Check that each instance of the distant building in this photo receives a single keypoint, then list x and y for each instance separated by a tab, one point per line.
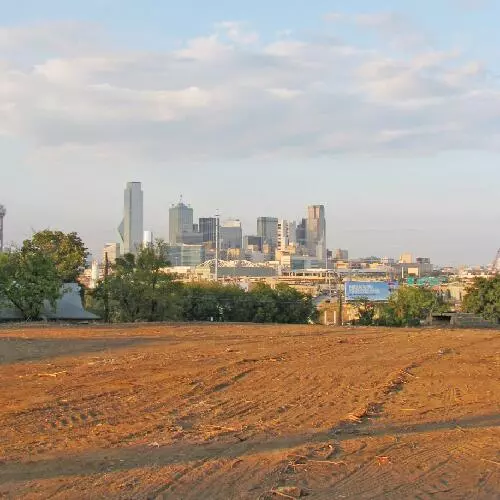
301	233
186	255
286	234
112	250
148	240
316	231
208	228
180	230
341	254
231	234
253	243
267	229
406	258
131	227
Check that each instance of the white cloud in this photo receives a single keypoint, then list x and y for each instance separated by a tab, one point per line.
400	31
236	32
226	95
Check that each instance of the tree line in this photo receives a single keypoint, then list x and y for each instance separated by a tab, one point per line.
409	306
135	288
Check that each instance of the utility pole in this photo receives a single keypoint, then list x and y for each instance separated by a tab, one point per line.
3	212
217	246
340	292
106	289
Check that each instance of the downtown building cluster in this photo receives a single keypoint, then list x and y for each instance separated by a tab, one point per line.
191	242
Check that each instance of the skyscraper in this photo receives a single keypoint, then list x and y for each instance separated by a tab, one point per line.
286	234
180	222
267	229
207	227
131	227
301	233
316	231
231	234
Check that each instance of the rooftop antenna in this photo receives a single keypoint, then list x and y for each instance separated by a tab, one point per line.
3	212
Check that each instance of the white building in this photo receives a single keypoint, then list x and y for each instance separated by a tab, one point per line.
287	234
148	239
131	227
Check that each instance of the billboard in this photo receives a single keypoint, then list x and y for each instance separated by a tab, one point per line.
371	290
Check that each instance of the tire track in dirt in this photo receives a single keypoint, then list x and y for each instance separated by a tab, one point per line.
91	462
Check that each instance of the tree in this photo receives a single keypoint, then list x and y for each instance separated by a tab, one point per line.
483	298
28	277
138	289
408	306
366	311
67	251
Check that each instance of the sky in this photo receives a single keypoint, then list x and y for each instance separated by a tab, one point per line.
387	112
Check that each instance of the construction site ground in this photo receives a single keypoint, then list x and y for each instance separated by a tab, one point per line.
223	411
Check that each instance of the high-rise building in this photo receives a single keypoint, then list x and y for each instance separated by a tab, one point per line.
253	243
267	229
301	233
112	251
316	231
131	227
208	229
286	234
148	239
231	234
180	220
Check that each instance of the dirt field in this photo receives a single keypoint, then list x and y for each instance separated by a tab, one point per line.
257	412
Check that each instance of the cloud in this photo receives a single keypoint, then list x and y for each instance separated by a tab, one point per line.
228	95
394	27
236	32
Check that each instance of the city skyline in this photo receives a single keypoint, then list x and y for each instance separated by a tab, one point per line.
385	112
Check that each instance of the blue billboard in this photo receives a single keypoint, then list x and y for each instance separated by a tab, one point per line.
371	290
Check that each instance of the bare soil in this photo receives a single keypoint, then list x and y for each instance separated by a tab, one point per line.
248	412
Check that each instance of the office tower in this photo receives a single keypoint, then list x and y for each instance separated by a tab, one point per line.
231	234
253	243
148	239
180	223
207	227
301	233
130	228
267	229
185	255
112	250
316	231
286	234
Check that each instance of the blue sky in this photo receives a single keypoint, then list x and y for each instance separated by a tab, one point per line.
386	112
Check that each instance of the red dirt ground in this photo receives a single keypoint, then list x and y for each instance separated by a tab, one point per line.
248	411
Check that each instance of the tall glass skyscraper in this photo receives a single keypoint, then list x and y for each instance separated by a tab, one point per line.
131	227
267	229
